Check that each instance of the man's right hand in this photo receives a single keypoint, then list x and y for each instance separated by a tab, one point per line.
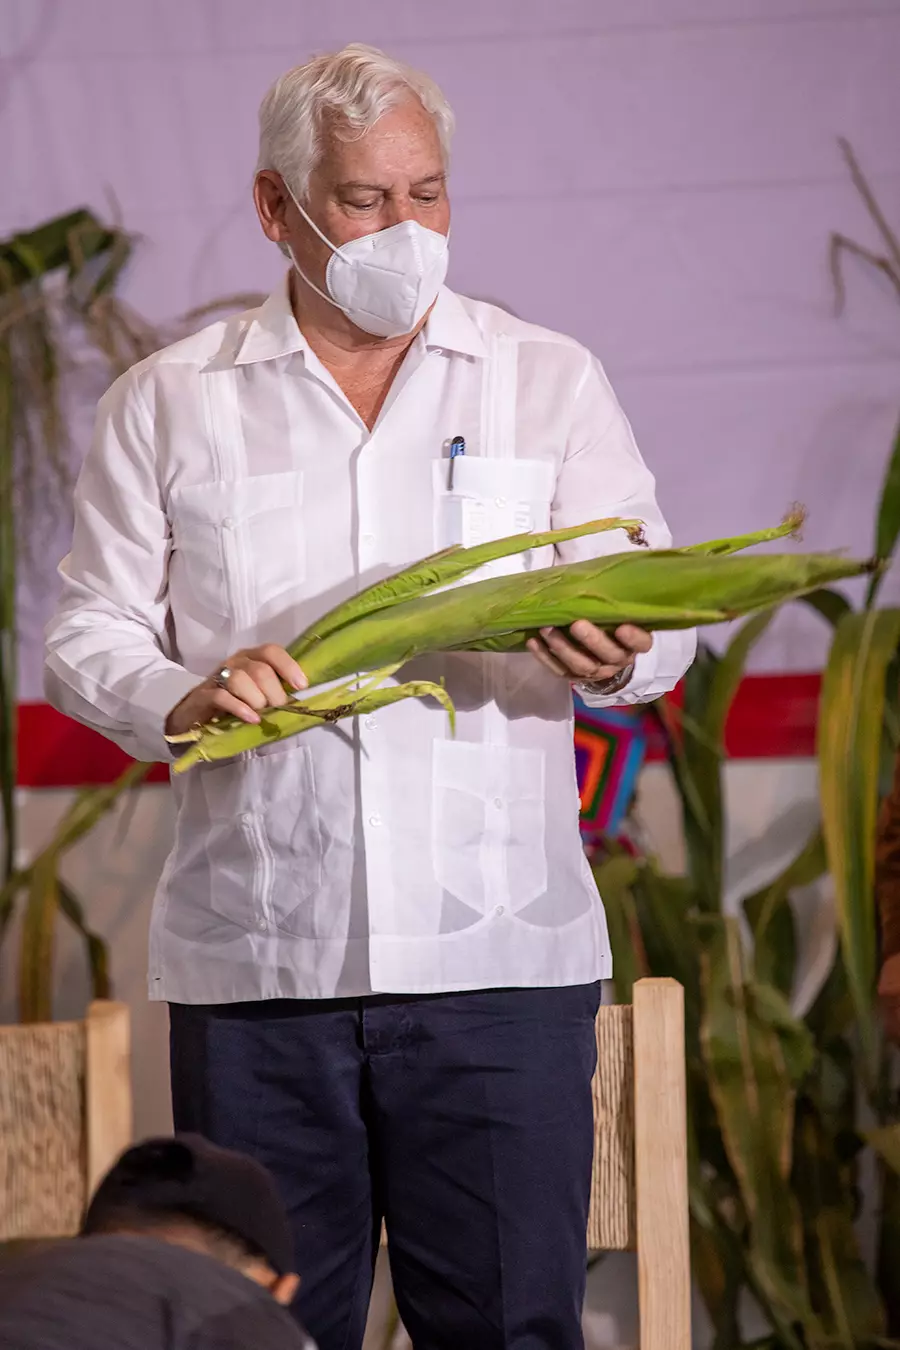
889	997
257	679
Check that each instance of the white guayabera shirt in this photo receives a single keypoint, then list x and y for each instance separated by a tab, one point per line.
231	496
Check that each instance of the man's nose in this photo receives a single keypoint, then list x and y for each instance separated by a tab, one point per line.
402	208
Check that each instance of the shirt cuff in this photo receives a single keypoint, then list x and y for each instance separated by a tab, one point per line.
149	710
655	672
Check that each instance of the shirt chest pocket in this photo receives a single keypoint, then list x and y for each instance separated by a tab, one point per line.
239	548
489	498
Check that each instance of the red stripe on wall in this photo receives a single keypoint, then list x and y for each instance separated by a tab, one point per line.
773	717
54	751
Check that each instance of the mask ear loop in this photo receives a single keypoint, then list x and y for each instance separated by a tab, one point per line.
336	251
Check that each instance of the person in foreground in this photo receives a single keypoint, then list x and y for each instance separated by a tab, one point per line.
381	945
185	1246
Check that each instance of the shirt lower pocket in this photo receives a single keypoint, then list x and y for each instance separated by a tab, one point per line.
488	821
265	838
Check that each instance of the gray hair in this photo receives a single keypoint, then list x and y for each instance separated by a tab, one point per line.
356	85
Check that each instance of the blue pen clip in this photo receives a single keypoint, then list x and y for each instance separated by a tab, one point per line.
457	448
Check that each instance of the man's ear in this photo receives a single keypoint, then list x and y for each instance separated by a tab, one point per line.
284	1289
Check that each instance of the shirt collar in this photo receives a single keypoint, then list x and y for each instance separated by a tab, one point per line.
448	326
273	331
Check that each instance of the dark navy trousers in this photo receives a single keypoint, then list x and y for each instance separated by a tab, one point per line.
462	1120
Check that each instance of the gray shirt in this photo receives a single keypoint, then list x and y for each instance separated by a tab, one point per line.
136	1293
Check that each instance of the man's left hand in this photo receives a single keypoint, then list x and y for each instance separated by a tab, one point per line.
587	652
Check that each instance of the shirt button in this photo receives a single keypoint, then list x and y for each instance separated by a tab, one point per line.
375	820
261	925
228	523
247	818
371	724
498	802
500	910
368	540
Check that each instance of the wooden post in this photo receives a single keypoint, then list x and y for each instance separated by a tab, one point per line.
660	1146
611	1224
107	1087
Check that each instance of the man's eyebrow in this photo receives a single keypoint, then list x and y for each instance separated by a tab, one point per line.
354	186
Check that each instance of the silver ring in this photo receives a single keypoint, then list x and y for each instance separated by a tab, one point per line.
222	676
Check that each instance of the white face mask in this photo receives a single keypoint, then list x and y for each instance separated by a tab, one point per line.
384	282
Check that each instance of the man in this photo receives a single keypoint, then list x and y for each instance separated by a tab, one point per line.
185	1246
381	944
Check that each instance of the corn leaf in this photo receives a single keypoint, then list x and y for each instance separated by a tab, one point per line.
696	819
754	1099
96	949
664	908
790	526
38	928
770	1008
886	1143
697	750
888	1253
849	742
91	804
843	1293
313	711
832	1013
887	527
46	895
771	919
615	878
830	605
717	1266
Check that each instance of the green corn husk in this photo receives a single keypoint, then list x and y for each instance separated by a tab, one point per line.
656	590
352	698
444	568
672	588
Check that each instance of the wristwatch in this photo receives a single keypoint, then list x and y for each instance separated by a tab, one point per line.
606	687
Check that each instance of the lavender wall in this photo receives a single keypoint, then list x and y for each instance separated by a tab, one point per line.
656	177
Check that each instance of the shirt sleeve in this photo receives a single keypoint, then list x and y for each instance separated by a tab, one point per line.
603	475
107	658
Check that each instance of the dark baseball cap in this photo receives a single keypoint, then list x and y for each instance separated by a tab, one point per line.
186	1175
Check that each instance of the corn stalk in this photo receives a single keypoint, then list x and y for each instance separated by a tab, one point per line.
776	1100
773	1098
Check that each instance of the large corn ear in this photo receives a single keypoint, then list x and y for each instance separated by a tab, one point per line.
663	589
443	569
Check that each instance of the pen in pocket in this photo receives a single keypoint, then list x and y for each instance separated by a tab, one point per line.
457	448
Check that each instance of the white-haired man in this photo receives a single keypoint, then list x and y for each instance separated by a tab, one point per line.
381	945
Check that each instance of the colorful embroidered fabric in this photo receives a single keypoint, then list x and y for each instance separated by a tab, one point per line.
610	746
